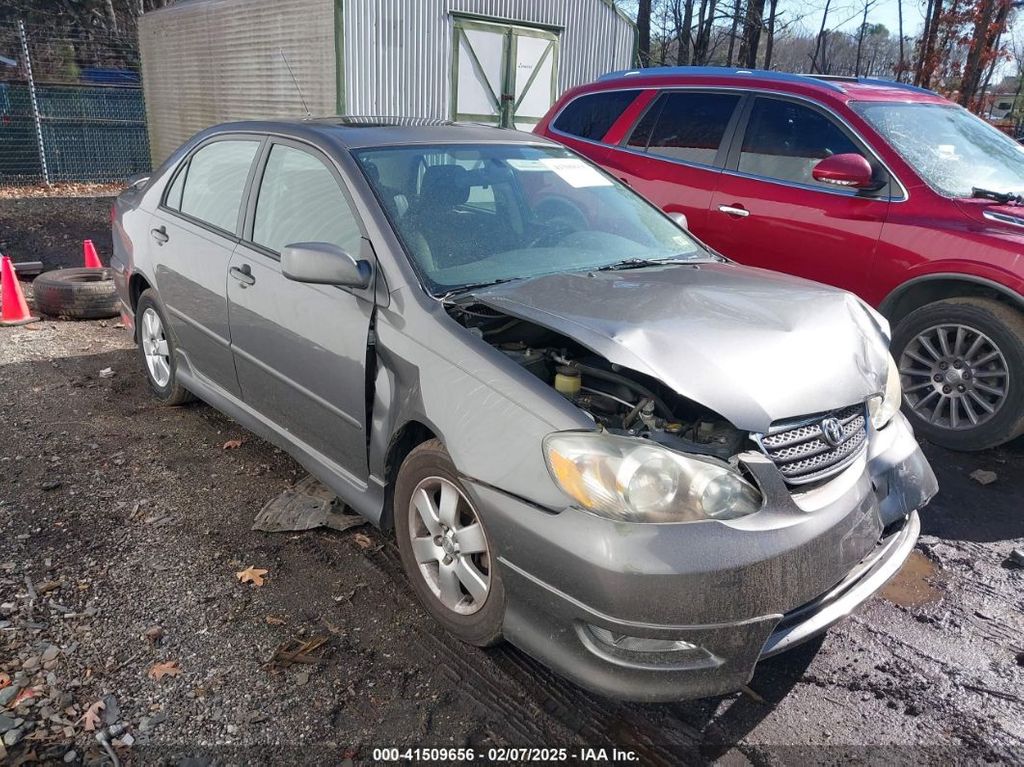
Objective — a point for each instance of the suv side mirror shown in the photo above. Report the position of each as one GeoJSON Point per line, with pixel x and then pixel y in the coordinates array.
{"type": "Point", "coordinates": [680, 219]}
{"type": "Point", "coordinates": [322, 263]}
{"type": "Point", "coordinates": [850, 170]}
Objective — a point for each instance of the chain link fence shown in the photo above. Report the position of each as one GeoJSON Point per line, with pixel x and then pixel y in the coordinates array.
{"type": "Point", "coordinates": [71, 106]}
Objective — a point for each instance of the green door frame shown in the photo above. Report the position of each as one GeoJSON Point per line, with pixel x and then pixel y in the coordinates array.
{"type": "Point", "coordinates": [505, 103]}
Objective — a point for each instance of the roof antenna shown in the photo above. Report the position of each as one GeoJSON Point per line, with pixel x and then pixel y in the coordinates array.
{"type": "Point", "coordinates": [309, 115]}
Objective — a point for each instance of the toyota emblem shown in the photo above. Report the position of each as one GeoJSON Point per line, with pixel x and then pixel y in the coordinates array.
{"type": "Point", "coordinates": [832, 431]}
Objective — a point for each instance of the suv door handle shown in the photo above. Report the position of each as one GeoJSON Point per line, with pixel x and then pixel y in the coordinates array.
{"type": "Point", "coordinates": [243, 274]}
{"type": "Point", "coordinates": [160, 235]}
{"type": "Point", "coordinates": [734, 210]}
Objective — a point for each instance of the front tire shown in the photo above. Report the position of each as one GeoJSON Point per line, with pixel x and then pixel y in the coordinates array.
{"type": "Point", "coordinates": [445, 549]}
{"type": "Point", "coordinates": [156, 350]}
{"type": "Point", "coordinates": [961, 365]}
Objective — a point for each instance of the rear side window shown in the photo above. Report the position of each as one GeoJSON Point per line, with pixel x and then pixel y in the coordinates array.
{"type": "Point", "coordinates": [215, 180]}
{"type": "Point", "coordinates": [685, 126]}
{"type": "Point", "coordinates": [300, 201]}
{"type": "Point", "coordinates": [785, 141]}
{"type": "Point", "coordinates": [593, 115]}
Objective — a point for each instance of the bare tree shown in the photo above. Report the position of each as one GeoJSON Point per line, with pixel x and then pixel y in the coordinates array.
{"type": "Point", "coordinates": [643, 28]}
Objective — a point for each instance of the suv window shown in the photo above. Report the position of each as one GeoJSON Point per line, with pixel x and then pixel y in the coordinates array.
{"type": "Point", "coordinates": [215, 180]}
{"type": "Point", "coordinates": [593, 115]}
{"type": "Point", "coordinates": [300, 201]}
{"type": "Point", "coordinates": [784, 141]}
{"type": "Point", "coordinates": [686, 126]}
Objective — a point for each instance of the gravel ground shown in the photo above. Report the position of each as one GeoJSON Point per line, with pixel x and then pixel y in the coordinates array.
{"type": "Point", "coordinates": [123, 526]}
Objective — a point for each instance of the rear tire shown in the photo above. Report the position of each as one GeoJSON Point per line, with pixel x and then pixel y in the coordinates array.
{"type": "Point", "coordinates": [961, 364]}
{"type": "Point", "coordinates": [157, 351]}
{"type": "Point", "coordinates": [445, 549]}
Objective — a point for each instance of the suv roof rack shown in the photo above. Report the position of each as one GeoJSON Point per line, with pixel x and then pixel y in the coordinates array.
{"type": "Point", "coordinates": [872, 81]}
{"type": "Point", "coordinates": [829, 81]}
{"type": "Point", "coordinates": [766, 74]}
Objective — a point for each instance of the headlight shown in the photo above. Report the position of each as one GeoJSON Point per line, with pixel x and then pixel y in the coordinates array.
{"type": "Point", "coordinates": [884, 407]}
{"type": "Point", "coordinates": [628, 479]}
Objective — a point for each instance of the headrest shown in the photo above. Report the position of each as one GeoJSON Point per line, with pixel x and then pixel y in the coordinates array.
{"type": "Point", "coordinates": [444, 186]}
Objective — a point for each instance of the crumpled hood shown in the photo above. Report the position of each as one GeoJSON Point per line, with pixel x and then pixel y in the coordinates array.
{"type": "Point", "coordinates": [754, 346]}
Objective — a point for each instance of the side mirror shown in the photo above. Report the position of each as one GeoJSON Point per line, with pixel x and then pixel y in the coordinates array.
{"type": "Point", "coordinates": [680, 219]}
{"type": "Point", "coordinates": [322, 263]}
{"type": "Point", "coordinates": [850, 170]}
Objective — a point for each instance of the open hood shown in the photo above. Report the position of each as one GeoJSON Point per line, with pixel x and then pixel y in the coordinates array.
{"type": "Point", "coordinates": [754, 346]}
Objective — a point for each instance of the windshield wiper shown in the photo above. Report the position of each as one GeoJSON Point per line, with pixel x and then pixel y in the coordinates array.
{"type": "Point", "coordinates": [1003, 198]}
{"type": "Point", "coordinates": [474, 286]}
{"type": "Point", "coordinates": [637, 263]}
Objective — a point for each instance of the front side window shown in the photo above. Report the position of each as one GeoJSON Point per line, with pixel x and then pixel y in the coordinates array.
{"type": "Point", "coordinates": [687, 126]}
{"type": "Point", "coordinates": [951, 149]}
{"type": "Point", "coordinates": [215, 181]}
{"type": "Point", "coordinates": [784, 141]}
{"type": "Point", "coordinates": [591, 116]}
{"type": "Point", "coordinates": [300, 201]}
{"type": "Point", "coordinates": [478, 214]}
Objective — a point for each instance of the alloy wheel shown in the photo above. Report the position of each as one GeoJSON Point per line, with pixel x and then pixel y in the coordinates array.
{"type": "Point", "coordinates": [154, 347]}
{"type": "Point", "coordinates": [954, 376]}
{"type": "Point", "coordinates": [449, 544]}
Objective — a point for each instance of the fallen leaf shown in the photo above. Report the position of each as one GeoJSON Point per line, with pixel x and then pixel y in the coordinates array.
{"type": "Point", "coordinates": [364, 541]}
{"type": "Point", "coordinates": [5, 680]}
{"type": "Point", "coordinates": [167, 668]}
{"type": "Point", "coordinates": [28, 692]}
{"type": "Point", "coordinates": [251, 574]}
{"type": "Point", "coordinates": [93, 715]}
{"type": "Point", "coordinates": [273, 620]}
{"type": "Point", "coordinates": [233, 444]}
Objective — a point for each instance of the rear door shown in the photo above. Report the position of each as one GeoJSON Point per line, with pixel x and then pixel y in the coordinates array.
{"type": "Point", "coordinates": [192, 236]}
{"type": "Point", "coordinates": [768, 211]}
{"type": "Point", "coordinates": [300, 350]}
{"type": "Point", "coordinates": [503, 75]}
{"type": "Point", "coordinates": [674, 153]}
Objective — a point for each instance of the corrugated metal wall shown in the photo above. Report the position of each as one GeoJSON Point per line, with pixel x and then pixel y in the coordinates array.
{"type": "Point", "coordinates": [397, 53]}
{"type": "Point", "coordinates": [208, 62]}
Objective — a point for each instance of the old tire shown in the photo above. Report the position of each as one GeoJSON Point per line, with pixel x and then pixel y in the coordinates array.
{"type": "Point", "coordinates": [81, 294]}
{"type": "Point", "coordinates": [961, 364]}
{"type": "Point", "coordinates": [156, 350]}
{"type": "Point", "coordinates": [445, 549]}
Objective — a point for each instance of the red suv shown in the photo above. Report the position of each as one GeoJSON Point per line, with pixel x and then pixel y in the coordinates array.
{"type": "Point", "coordinates": [884, 189]}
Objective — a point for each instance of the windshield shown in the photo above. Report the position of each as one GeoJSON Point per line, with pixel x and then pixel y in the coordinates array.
{"type": "Point", "coordinates": [477, 214]}
{"type": "Point", "coordinates": [950, 148]}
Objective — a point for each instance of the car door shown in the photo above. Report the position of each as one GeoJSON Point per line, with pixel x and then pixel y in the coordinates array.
{"type": "Point", "coordinates": [768, 210]}
{"type": "Point", "coordinates": [192, 236]}
{"type": "Point", "coordinates": [675, 152]}
{"type": "Point", "coordinates": [300, 349]}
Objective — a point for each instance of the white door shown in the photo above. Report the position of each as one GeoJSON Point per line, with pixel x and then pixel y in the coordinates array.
{"type": "Point", "coordinates": [502, 74]}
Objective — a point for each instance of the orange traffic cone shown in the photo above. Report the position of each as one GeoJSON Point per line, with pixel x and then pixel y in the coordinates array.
{"type": "Point", "coordinates": [92, 260]}
{"type": "Point", "coordinates": [13, 308]}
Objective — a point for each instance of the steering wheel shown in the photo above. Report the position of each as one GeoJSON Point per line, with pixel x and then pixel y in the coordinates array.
{"type": "Point", "coordinates": [557, 218]}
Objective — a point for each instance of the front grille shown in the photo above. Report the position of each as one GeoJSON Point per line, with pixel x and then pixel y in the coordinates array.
{"type": "Point", "coordinates": [800, 451]}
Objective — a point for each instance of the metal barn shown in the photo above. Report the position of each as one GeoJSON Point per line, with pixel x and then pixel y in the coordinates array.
{"type": "Point", "coordinates": [496, 61]}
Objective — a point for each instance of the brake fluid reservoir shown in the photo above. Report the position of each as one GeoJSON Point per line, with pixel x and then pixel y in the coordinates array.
{"type": "Point", "coordinates": [568, 381]}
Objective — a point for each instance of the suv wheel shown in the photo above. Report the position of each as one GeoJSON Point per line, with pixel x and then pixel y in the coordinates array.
{"type": "Point", "coordinates": [961, 363]}
{"type": "Point", "coordinates": [444, 548]}
{"type": "Point", "coordinates": [156, 348]}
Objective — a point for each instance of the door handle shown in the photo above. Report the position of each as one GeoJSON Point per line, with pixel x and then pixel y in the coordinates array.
{"type": "Point", "coordinates": [734, 210]}
{"type": "Point", "coordinates": [243, 274]}
{"type": "Point", "coordinates": [160, 235]}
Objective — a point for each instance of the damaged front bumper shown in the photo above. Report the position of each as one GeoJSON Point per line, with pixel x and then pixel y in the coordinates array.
{"type": "Point", "coordinates": [658, 612]}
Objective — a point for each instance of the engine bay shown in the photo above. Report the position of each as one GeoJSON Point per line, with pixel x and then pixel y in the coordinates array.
{"type": "Point", "coordinates": [620, 400]}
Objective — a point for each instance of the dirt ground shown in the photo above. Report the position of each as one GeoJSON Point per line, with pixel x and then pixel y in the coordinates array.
{"type": "Point", "coordinates": [123, 525]}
